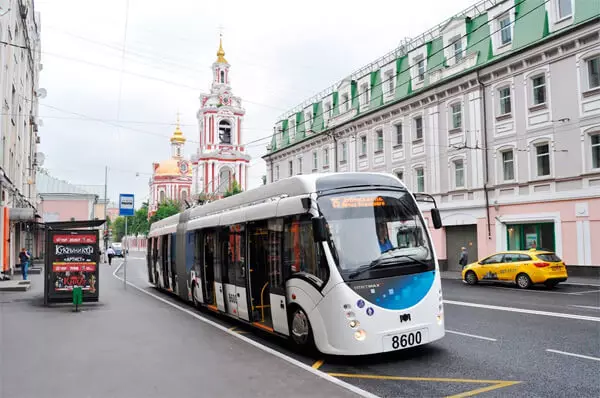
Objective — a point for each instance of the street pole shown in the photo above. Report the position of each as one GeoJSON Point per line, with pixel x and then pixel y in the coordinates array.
{"type": "Point", "coordinates": [125, 256]}
{"type": "Point", "coordinates": [105, 237]}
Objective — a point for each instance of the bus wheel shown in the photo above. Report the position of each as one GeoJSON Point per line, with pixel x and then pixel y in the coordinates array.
{"type": "Point", "coordinates": [300, 328]}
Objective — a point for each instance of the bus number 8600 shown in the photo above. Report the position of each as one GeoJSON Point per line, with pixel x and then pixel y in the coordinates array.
{"type": "Point", "coordinates": [406, 340]}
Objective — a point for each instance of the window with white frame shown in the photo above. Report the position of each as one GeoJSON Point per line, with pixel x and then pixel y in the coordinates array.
{"type": "Point", "coordinates": [379, 143]}
{"type": "Point", "coordinates": [456, 110]}
{"type": "Point", "coordinates": [345, 102]}
{"type": "Point", "coordinates": [564, 8]}
{"type": "Point", "coordinates": [542, 153]}
{"type": "Point", "coordinates": [389, 82]}
{"type": "Point", "coordinates": [344, 152]}
{"type": "Point", "coordinates": [400, 175]}
{"type": "Point", "coordinates": [299, 165]}
{"type": "Point", "coordinates": [508, 165]}
{"type": "Point", "coordinates": [421, 70]}
{"type": "Point", "coordinates": [420, 179]}
{"type": "Point", "coordinates": [327, 110]}
{"type": "Point", "coordinates": [459, 173]}
{"type": "Point", "coordinates": [504, 99]}
{"type": "Point", "coordinates": [593, 72]}
{"type": "Point", "coordinates": [418, 127]}
{"type": "Point", "coordinates": [308, 119]}
{"type": "Point", "coordinates": [505, 30]}
{"type": "Point", "coordinates": [364, 94]}
{"type": "Point", "coordinates": [538, 84]}
{"type": "Point", "coordinates": [363, 145]}
{"type": "Point", "coordinates": [457, 50]}
{"type": "Point", "coordinates": [326, 157]}
{"type": "Point", "coordinates": [315, 160]}
{"type": "Point", "coordinates": [399, 136]}
{"type": "Point", "coordinates": [292, 129]}
{"type": "Point", "coordinates": [595, 151]}
{"type": "Point", "coordinates": [277, 172]}
{"type": "Point", "coordinates": [291, 168]}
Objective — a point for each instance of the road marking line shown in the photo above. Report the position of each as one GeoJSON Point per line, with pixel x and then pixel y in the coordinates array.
{"type": "Point", "coordinates": [471, 335]}
{"type": "Point", "coordinates": [484, 389]}
{"type": "Point", "coordinates": [586, 306]}
{"type": "Point", "coordinates": [266, 349]}
{"type": "Point", "coordinates": [574, 355]}
{"type": "Point", "coordinates": [587, 291]}
{"type": "Point", "coordinates": [407, 378]}
{"type": "Point", "coordinates": [581, 284]}
{"type": "Point", "coordinates": [509, 289]}
{"type": "Point", "coordinates": [524, 311]}
{"type": "Point", "coordinates": [318, 364]}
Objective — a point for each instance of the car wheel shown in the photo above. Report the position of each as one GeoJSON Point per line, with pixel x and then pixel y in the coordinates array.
{"type": "Point", "coordinates": [471, 278]}
{"type": "Point", "coordinates": [300, 329]}
{"type": "Point", "coordinates": [523, 281]}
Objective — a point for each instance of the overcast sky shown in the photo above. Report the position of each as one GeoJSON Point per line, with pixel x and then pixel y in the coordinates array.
{"type": "Point", "coordinates": [106, 108]}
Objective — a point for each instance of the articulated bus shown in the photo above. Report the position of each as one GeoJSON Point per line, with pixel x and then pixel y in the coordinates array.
{"type": "Point", "coordinates": [340, 261]}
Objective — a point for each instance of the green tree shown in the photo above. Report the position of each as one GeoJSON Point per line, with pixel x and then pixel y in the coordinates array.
{"type": "Point", "coordinates": [234, 190]}
{"type": "Point", "coordinates": [139, 221]}
{"type": "Point", "coordinates": [166, 209]}
{"type": "Point", "coordinates": [118, 229]}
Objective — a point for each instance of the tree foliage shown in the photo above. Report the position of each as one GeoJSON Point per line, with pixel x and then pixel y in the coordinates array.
{"type": "Point", "coordinates": [118, 229]}
{"type": "Point", "coordinates": [166, 209]}
{"type": "Point", "coordinates": [139, 221]}
{"type": "Point", "coordinates": [234, 190]}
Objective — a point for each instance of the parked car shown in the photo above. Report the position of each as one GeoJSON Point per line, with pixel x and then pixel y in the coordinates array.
{"type": "Point", "coordinates": [118, 248]}
{"type": "Point", "coordinates": [525, 268]}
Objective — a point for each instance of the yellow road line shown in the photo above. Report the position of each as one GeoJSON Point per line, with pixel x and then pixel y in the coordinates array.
{"type": "Point", "coordinates": [437, 379]}
{"type": "Point", "coordinates": [484, 389]}
{"type": "Point", "coordinates": [318, 364]}
{"type": "Point", "coordinates": [233, 328]}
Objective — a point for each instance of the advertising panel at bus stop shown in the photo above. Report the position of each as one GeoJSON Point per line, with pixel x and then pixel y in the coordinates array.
{"type": "Point", "coordinates": [72, 261]}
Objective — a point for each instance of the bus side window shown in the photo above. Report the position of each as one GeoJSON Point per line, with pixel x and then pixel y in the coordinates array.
{"type": "Point", "coordinates": [275, 235]}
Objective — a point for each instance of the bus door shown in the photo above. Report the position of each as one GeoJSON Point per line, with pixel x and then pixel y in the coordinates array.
{"type": "Point", "coordinates": [149, 251]}
{"type": "Point", "coordinates": [164, 274]}
{"type": "Point", "coordinates": [241, 272]}
{"type": "Point", "coordinates": [230, 258]}
{"type": "Point", "coordinates": [277, 276]}
{"type": "Point", "coordinates": [220, 268]}
{"type": "Point", "coordinates": [195, 245]}
{"type": "Point", "coordinates": [173, 264]}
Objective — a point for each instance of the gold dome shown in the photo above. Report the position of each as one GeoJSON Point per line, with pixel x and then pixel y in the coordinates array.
{"type": "Point", "coordinates": [221, 53]}
{"type": "Point", "coordinates": [178, 134]}
{"type": "Point", "coordinates": [172, 167]}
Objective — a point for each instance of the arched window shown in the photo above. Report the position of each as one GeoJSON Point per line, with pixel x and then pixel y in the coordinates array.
{"type": "Point", "coordinates": [222, 76]}
{"type": "Point", "coordinates": [224, 180]}
{"type": "Point", "coordinates": [225, 132]}
{"type": "Point", "coordinates": [161, 196]}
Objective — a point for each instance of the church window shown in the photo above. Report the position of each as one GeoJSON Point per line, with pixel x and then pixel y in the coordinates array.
{"type": "Point", "coordinates": [222, 76]}
{"type": "Point", "coordinates": [225, 132]}
{"type": "Point", "coordinates": [162, 196]}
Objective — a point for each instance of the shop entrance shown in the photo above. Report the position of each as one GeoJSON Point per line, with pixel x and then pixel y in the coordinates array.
{"type": "Point", "coordinates": [528, 236]}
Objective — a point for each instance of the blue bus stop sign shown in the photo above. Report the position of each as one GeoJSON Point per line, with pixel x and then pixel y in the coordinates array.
{"type": "Point", "coordinates": [126, 207]}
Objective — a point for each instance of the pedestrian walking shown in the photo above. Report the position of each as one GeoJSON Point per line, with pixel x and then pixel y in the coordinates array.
{"type": "Point", "coordinates": [110, 253]}
{"type": "Point", "coordinates": [464, 257]}
{"type": "Point", "coordinates": [24, 258]}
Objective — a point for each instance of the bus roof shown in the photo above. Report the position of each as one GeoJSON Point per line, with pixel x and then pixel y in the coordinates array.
{"type": "Point", "coordinates": [298, 185]}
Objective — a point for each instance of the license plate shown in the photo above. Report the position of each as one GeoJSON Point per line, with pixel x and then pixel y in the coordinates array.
{"type": "Point", "coordinates": [557, 268]}
{"type": "Point", "coordinates": [404, 340]}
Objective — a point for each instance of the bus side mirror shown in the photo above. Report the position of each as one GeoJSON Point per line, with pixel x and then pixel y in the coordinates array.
{"type": "Point", "coordinates": [319, 229]}
{"type": "Point", "coordinates": [436, 218]}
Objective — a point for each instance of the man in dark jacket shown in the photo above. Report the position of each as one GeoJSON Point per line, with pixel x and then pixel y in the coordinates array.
{"type": "Point", "coordinates": [24, 259]}
{"type": "Point", "coordinates": [464, 257]}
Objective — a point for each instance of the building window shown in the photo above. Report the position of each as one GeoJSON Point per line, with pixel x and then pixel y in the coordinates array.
{"type": "Point", "coordinates": [291, 168]}
{"type": "Point", "coordinates": [225, 132]}
{"type": "Point", "coordinates": [161, 196]}
{"type": "Point", "coordinates": [539, 89]}
{"type": "Point", "coordinates": [400, 175]}
{"type": "Point", "coordinates": [418, 128]}
{"type": "Point", "coordinates": [308, 120]}
{"type": "Point", "coordinates": [277, 172]}
{"type": "Point", "coordinates": [399, 137]}
{"type": "Point", "coordinates": [183, 195]}
{"type": "Point", "coordinates": [292, 129]}
{"type": "Point", "coordinates": [299, 165]}
{"type": "Point", "coordinates": [345, 101]}
{"type": "Point", "coordinates": [364, 91]}
{"type": "Point", "coordinates": [596, 151]}
{"type": "Point", "coordinates": [315, 161]}
{"type": "Point", "coordinates": [457, 48]}
{"type": "Point", "coordinates": [504, 95]}
{"type": "Point", "coordinates": [593, 69]}
{"type": "Point", "coordinates": [327, 110]}
{"type": "Point", "coordinates": [508, 165]}
{"type": "Point", "coordinates": [325, 157]}
{"type": "Point", "coordinates": [505, 30]}
{"type": "Point", "coordinates": [389, 81]}
{"type": "Point", "coordinates": [543, 159]}
{"type": "Point", "coordinates": [363, 145]}
{"type": "Point", "coordinates": [564, 8]}
{"type": "Point", "coordinates": [379, 135]}
{"type": "Point", "coordinates": [420, 177]}
{"type": "Point", "coordinates": [421, 70]}
{"type": "Point", "coordinates": [222, 76]}
{"type": "Point", "coordinates": [459, 174]}
{"type": "Point", "coordinates": [456, 116]}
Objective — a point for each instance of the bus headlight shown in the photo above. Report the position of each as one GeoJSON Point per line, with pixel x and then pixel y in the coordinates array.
{"type": "Point", "coordinates": [354, 324]}
{"type": "Point", "coordinates": [360, 335]}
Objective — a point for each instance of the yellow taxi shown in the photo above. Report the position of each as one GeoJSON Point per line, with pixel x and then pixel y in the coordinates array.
{"type": "Point", "coordinates": [524, 268]}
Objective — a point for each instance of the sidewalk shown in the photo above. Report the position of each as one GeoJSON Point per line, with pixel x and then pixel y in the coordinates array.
{"type": "Point", "coordinates": [130, 345]}
{"type": "Point", "coordinates": [575, 280]}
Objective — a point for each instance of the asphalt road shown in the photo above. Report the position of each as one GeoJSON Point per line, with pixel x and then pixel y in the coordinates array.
{"type": "Point", "coordinates": [501, 341]}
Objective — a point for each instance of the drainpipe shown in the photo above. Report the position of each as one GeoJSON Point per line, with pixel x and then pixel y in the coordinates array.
{"type": "Point", "coordinates": [486, 159]}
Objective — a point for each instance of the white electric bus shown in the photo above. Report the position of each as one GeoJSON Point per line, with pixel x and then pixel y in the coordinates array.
{"type": "Point", "coordinates": [343, 261]}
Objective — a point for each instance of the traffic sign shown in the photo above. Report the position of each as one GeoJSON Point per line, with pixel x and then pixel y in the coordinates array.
{"type": "Point", "coordinates": [126, 207]}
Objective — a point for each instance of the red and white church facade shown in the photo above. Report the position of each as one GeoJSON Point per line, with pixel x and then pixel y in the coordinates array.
{"type": "Point", "coordinates": [221, 158]}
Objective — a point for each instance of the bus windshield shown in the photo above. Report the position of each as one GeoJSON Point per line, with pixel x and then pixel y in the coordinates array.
{"type": "Point", "coordinates": [379, 229]}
